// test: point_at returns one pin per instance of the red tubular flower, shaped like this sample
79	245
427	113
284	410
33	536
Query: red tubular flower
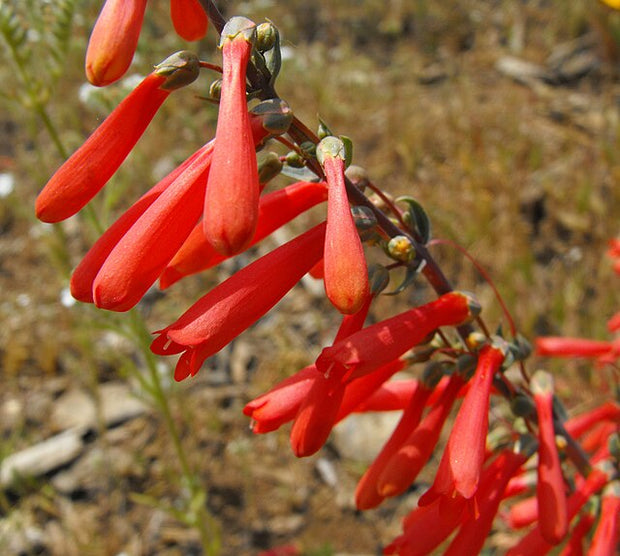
275	210
387	340
523	513
578	425
231	202
113	41
425	528
142	253
89	168
550	491
84	275
606	536
406	463
360	390
534	542
319	409
366	494
574	546
280	405
461	463
346	274
552	346
189	19
234	305
316	415
391	396
474	530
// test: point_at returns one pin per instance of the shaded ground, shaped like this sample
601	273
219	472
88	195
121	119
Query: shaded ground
519	163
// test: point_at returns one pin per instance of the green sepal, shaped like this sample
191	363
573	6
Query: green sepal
416	218
407	281
348	150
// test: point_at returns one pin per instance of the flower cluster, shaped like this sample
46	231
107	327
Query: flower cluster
218	203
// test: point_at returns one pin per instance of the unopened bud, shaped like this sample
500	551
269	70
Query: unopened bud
269	166
358	176
295	160
215	89
466	363
401	249
433	372
180	69
364	218
275	114
522	406
266	36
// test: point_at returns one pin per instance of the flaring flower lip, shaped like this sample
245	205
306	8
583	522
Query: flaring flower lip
89	168
113	42
234	305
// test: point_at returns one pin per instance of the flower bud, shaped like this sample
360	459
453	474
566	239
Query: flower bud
180	69
358	176
269	166
266	36
401	249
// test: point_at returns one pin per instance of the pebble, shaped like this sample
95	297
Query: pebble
43	457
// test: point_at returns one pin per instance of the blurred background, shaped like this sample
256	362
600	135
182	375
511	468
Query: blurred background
502	118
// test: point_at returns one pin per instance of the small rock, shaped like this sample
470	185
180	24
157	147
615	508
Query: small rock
521	70
327	472
361	436
77	409
42	458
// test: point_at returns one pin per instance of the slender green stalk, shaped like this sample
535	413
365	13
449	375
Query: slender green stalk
198	514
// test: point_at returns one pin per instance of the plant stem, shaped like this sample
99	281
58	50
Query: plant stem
202	519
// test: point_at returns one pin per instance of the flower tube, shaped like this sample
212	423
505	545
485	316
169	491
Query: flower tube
89	168
113	42
346	274
231	202
234	305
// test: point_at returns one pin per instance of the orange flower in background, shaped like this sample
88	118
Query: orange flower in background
114	38
607	534
550	491
231	202
228	309
89	168
346	274
189	19
113	41
534	542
